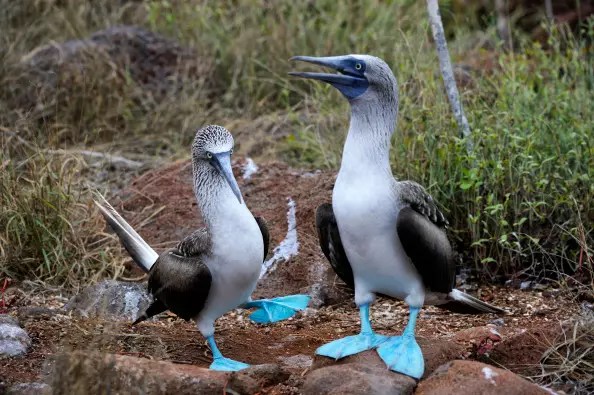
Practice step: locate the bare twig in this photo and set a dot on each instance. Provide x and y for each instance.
(503, 24)
(113, 159)
(447, 73)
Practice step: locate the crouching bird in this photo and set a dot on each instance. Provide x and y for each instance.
(213, 270)
(382, 236)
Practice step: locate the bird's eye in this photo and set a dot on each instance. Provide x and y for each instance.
(209, 155)
(358, 66)
(231, 150)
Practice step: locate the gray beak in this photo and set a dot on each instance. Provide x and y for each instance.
(222, 162)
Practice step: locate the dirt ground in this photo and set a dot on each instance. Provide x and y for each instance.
(172, 339)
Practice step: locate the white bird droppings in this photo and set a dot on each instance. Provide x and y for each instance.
(249, 168)
(490, 375)
(289, 246)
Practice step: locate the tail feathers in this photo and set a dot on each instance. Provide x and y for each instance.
(139, 250)
(462, 303)
(155, 308)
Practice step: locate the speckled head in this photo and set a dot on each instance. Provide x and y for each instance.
(212, 147)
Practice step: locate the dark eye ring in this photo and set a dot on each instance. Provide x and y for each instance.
(231, 150)
(209, 155)
(358, 66)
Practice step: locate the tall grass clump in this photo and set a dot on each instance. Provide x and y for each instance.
(48, 231)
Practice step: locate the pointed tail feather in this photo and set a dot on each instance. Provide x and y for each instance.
(139, 250)
(462, 303)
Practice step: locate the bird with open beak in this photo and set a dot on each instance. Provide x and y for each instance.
(382, 236)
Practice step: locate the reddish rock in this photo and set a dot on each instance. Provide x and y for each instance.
(91, 373)
(357, 379)
(435, 353)
(479, 341)
(475, 378)
(521, 353)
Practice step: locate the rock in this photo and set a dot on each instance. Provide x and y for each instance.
(479, 341)
(497, 322)
(521, 353)
(110, 299)
(14, 340)
(474, 378)
(357, 379)
(30, 389)
(299, 361)
(435, 353)
(90, 373)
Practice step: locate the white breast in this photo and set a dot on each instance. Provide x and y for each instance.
(366, 209)
(235, 263)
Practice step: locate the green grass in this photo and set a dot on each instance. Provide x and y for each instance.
(522, 199)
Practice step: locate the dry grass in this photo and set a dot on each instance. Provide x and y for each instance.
(571, 359)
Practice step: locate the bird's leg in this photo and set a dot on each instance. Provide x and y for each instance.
(220, 362)
(276, 309)
(365, 340)
(402, 354)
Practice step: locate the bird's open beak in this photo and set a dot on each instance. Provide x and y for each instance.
(339, 63)
(222, 162)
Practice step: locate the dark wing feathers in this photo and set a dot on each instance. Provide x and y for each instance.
(332, 245)
(180, 280)
(265, 234)
(415, 196)
(428, 248)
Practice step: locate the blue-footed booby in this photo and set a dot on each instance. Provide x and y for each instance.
(382, 236)
(213, 270)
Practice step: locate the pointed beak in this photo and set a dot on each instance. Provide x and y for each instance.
(350, 82)
(222, 162)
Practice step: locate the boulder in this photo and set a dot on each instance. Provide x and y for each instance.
(475, 378)
(435, 353)
(357, 379)
(89, 373)
(14, 341)
(112, 300)
(521, 352)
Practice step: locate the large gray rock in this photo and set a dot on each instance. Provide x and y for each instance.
(110, 299)
(14, 340)
(94, 373)
(357, 379)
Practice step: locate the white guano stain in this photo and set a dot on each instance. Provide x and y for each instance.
(249, 168)
(490, 375)
(289, 246)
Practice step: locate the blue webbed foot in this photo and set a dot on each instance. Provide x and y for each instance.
(402, 354)
(366, 340)
(277, 309)
(351, 345)
(227, 365)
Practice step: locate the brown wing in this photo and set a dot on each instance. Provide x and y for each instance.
(331, 244)
(265, 234)
(180, 280)
(428, 248)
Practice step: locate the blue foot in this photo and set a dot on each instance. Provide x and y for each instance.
(227, 365)
(277, 309)
(366, 340)
(351, 345)
(220, 362)
(402, 354)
